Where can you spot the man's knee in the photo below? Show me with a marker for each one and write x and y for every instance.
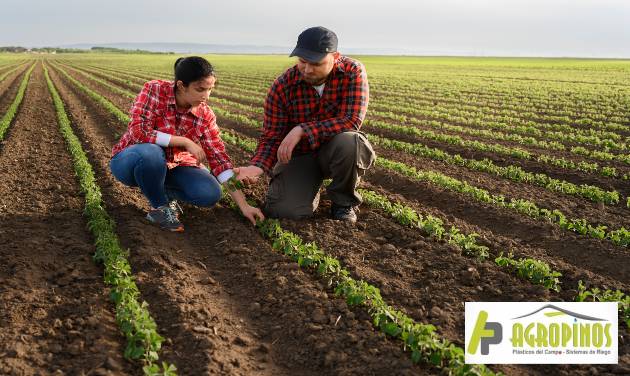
(345, 144)
(349, 150)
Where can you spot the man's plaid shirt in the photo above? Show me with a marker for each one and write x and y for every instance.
(291, 102)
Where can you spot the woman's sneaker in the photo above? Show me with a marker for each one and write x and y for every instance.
(176, 207)
(166, 218)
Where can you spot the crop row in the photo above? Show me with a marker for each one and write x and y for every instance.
(4, 75)
(132, 316)
(620, 237)
(511, 172)
(425, 345)
(8, 116)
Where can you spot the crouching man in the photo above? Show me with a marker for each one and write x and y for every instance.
(311, 132)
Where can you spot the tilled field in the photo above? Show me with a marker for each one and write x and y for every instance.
(223, 298)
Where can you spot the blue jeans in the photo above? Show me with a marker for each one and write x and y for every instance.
(144, 166)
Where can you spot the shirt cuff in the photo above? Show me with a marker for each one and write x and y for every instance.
(225, 176)
(163, 139)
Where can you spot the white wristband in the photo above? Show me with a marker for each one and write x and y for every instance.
(225, 176)
(162, 139)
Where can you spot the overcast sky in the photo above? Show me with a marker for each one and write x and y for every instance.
(585, 28)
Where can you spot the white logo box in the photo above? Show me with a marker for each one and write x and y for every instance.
(542, 333)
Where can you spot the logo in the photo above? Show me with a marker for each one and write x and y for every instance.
(485, 334)
(541, 333)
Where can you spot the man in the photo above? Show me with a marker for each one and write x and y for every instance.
(313, 113)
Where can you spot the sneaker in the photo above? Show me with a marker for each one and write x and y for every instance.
(166, 218)
(343, 213)
(175, 206)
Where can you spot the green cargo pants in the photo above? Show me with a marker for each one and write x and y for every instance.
(294, 187)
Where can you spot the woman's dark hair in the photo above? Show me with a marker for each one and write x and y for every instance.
(192, 68)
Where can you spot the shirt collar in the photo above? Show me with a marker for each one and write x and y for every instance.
(170, 100)
(339, 66)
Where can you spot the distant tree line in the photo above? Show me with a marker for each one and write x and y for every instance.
(18, 49)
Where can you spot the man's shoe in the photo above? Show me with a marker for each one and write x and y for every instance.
(343, 213)
(166, 218)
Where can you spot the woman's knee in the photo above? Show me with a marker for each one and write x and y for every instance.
(151, 155)
(146, 156)
(207, 196)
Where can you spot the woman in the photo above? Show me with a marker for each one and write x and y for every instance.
(172, 131)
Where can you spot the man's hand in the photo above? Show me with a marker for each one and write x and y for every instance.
(248, 175)
(288, 144)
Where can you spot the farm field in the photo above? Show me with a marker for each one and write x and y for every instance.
(497, 179)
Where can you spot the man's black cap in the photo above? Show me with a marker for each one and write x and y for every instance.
(315, 43)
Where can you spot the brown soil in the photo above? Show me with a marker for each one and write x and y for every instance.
(614, 216)
(573, 176)
(229, 304)
(55, 316)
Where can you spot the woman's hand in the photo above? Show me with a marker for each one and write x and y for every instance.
(249, 212)
(191, 146)
(196, 150)
(252, 213)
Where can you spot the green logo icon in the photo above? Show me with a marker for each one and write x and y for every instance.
(485, 334)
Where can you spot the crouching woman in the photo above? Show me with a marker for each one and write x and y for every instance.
(171, 135)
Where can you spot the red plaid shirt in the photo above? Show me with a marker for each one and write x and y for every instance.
(292, 102)
(155, 110)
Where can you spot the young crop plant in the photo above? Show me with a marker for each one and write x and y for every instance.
(538, 272)
(598, 295)
(5, 121)
(432, 226)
